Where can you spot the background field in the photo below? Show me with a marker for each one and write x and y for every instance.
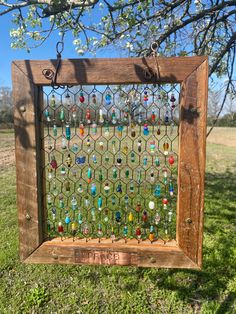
(101, 289)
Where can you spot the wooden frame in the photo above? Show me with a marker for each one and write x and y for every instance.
(186, 251)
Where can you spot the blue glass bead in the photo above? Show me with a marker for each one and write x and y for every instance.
(100, 202)
(118, 217)
(108, 99)
(68, 134)
(67, 220)
(93, 190)
(157, 191)
(119, 188)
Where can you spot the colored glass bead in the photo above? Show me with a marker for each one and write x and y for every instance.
(100, 177)
(151, 236)
(81, 97)
(53, 101)
(125, 231)
(68, 133)
(73, 229)
(126, 201)
(127, 173)
(152, 147)
(94, 158)
(171, 189)
(74, 112)
(131, 217)
(113, 200)
(157, 218)
(139, 146)
(153, 117)
(80, 188)
(170, 213)
(62, 115)
(133, 133)
(99, 230)
(157, 191)
(167, 116)
(101, 119)
(68, 160)
(145, 160)
(113, 116)
(145, 98)
(138, 233)
(101, 145)
(151, 205)
(85, 229)
(60, 228)
(88, 116)
(94, 100)
(100, 203)
(50, 174)
(75, 148)
(119, 160)
(106, 129)
(171, 160)
(157, 161)
(114, 173)
(81, 129)
(49, 199)
(67, 220)
(108, 99)
(120, 130)
(165, 201)
(54, 130)
(53, 162)
(144, 216)
(138, 207)
(93, 189)
(106, 188)
(63, 143)
(73, 203)
(94, 128)
(118, 217)
(89, 175)
(67, 186)
(119, 188)
(131, 187)
(47, 115)
(80, 219)
(145, 129)
(166, 148)
(80, 160)
(132, 155)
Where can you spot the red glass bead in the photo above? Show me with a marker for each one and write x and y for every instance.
(165, 201)
(171, 160)
(60, 228)
(138, 231)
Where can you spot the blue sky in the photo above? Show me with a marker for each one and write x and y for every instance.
(46, 51)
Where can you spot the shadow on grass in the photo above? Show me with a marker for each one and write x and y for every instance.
(219, 260)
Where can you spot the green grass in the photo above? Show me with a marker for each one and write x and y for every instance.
(101, 289)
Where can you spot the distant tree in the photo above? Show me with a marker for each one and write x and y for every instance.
(6, 114)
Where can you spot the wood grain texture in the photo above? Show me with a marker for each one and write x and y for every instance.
(27, 152)
(110, 71)
(80, 252)
(192, 157)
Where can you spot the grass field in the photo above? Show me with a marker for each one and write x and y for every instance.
(101, 289)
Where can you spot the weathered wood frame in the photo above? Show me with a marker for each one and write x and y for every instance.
(28, 81)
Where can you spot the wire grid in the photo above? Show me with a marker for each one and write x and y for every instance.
(111, 161)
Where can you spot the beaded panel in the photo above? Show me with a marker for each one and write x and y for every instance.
(111, 156)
